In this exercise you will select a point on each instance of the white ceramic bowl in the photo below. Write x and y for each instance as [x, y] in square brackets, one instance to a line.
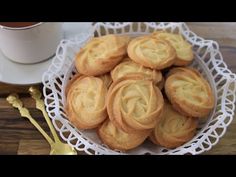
[208, 60]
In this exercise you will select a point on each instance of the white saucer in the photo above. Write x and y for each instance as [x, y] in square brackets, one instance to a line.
[26, 74]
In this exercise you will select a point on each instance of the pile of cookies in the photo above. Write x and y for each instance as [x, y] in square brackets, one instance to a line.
[122, 92]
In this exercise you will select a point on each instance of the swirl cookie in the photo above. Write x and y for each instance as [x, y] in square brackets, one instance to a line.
[101, 54]
[183, 48]
[173, 129]
[128, 67]
[151, 52]
[119, 140]
[85, 102]
[189, 92]
[134, 104]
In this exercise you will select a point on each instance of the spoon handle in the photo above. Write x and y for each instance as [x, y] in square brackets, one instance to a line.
[14, 100]
[36, 95]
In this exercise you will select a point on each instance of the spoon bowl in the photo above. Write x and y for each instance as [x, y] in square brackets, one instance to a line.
[60, 148]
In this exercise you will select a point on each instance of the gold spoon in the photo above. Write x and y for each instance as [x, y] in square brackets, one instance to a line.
[58, 147]
[14, 100]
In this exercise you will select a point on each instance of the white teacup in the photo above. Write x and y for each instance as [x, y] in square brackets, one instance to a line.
[29, 44]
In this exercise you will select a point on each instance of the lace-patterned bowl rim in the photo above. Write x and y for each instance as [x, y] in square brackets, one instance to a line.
[209, 62]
